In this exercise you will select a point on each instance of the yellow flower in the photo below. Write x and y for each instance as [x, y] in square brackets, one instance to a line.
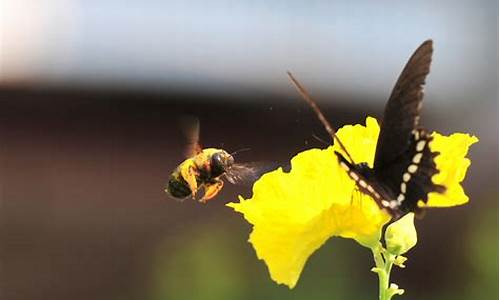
[452, 165]
[294, 213]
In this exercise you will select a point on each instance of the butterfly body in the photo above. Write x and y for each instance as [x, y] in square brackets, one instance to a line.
[404, 163]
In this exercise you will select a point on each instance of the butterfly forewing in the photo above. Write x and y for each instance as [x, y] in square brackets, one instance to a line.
[404, 164]
[403, 107]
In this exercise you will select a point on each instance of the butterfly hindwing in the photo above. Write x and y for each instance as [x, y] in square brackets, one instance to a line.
[400, 186]
[409, 178]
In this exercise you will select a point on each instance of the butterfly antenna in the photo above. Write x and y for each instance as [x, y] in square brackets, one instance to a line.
[302, 91]
[319, 139]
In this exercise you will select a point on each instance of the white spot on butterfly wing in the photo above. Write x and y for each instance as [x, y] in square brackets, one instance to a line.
[403, 188]
[419, 106]
[412, 168]
[406, 177]
[417, 158]
[401, 198]
[421, 145]
[416, 134]
[344, 166]
[417, 119]
[354, 176]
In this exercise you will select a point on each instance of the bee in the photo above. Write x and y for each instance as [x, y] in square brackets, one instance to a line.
[205, 169]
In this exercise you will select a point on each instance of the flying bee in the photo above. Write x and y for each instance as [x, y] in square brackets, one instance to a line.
[205, 169]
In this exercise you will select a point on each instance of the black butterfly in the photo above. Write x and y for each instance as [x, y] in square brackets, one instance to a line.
[404, 164]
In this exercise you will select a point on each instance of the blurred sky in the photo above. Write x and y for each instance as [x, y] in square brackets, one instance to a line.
[337, 47]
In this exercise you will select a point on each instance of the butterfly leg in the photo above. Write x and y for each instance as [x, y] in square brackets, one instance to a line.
[360, 198]
[211, 190]
[356, 195]
[189, 174]
[353, 195]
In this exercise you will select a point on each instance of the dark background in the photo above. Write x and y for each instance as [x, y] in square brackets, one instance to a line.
[90, 98]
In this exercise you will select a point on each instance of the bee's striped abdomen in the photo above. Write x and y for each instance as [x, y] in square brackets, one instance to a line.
[177, 187]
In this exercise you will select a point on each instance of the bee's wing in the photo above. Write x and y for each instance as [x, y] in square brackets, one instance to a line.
[191, 129]
[246, 173]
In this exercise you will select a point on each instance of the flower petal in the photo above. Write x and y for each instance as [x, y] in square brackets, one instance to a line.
[364, 219]
[452, 165]
[360, 141]
[294, 213]
[291, 213]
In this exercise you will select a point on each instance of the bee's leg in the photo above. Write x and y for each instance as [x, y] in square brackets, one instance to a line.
[189, 174]
[212, 189]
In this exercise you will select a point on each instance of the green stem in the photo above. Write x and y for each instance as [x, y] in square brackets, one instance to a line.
[383, 267]
[383, 281]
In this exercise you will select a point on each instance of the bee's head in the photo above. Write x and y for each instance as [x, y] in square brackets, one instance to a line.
[221, 161]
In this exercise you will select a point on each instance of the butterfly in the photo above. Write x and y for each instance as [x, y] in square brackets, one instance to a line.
[404, 163]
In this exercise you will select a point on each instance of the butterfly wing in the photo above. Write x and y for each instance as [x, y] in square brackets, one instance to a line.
[404, 163]
[402, 110]
[409, 178]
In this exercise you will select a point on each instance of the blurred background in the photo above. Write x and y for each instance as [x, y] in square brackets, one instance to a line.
[90, 97]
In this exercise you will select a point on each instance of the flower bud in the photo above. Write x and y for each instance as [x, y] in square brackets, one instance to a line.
[401, 235]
